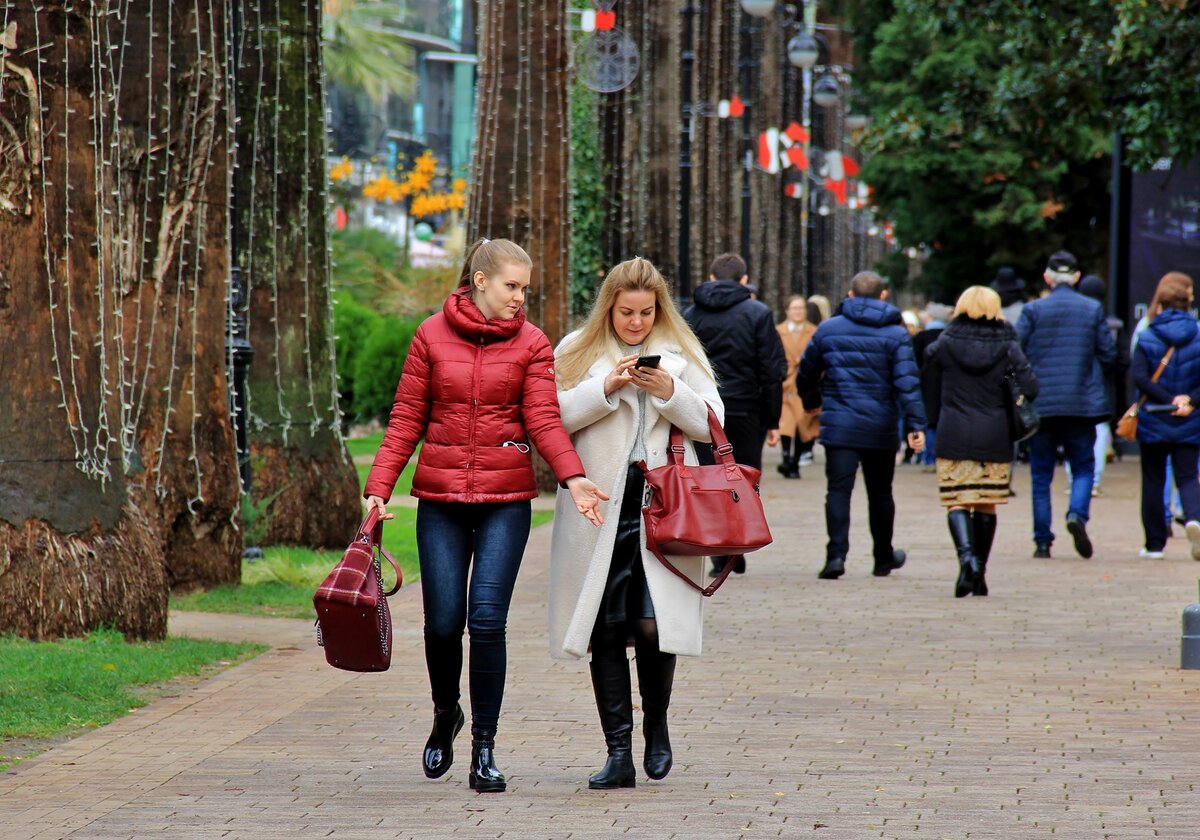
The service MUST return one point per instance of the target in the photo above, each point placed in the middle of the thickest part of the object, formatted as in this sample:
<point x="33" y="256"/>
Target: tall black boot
<point x="959" y="521"/>
<point x="656" y="677"/>
<point x="985" y="532"/>
<point x="439" y="749"/>
<point x="484" y="777"/>
<point x="614" y="701"/>
<point x="785" y="448"/>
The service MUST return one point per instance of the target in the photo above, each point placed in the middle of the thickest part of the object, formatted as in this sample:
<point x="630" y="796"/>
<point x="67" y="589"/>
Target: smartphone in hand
<point x="647" y="361"/>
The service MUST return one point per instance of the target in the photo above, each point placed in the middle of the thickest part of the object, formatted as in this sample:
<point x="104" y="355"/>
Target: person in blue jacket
<point x="859" y="373"/>
<point x="1067" y="341"/>
<point x="1171" y="428"/>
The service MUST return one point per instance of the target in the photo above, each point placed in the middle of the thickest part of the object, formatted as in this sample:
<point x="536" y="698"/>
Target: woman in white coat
<point x="605" y="587"/>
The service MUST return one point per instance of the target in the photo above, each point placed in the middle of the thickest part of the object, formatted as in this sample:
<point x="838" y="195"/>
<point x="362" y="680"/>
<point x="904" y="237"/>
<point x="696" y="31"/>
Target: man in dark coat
<point x="859" y="372"/>
<point x="739" y="336"/>
<point x="1068" y="343"/>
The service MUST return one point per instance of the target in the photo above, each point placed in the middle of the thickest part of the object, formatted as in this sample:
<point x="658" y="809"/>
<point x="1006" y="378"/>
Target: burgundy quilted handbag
<point x="354" y="624"/>
<point x="703" y="510"/>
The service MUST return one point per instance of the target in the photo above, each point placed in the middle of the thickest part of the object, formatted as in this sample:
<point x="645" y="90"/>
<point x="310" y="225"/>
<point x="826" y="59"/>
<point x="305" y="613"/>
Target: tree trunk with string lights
<point x="117" y="453"/>
<point x="305" y="488"/>
<point x="520" y="187"/>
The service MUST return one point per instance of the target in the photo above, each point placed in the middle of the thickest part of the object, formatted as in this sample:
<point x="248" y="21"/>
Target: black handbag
<point x="1023" y="420"/>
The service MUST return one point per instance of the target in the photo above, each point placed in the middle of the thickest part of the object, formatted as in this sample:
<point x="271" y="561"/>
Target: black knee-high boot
<point x="985" y="532"/>
<point x="656" y="678"/>
<point x="960" y="524"/>
<point x="614" y="701"/>
<point x="785" y="449"/>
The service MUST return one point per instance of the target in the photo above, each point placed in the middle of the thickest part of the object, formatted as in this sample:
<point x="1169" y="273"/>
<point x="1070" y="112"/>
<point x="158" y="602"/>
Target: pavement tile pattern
<point x="841" y="710"/>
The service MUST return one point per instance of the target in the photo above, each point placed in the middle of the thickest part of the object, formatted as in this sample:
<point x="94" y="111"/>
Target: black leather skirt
<point x="626" y="596"/>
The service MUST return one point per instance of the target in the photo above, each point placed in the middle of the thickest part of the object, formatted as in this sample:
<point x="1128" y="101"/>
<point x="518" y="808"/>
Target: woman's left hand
<point x="1183" y="406"/>
<point x="654" y="381"/>
<point x="587" y="497"/>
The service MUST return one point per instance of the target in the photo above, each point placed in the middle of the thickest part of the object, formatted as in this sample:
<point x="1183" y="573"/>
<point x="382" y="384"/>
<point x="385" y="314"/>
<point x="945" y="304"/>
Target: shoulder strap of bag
<point x="722" y="449"/>
<point x="372" y="528"/>
<point x="706" y="591"/>
<point x="1162" y="365"/>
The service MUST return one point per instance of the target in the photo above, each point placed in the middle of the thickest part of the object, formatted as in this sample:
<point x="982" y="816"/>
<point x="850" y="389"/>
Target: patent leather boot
<point x="985" y="532"/>
<point x="959" y="521"/>
<point x="484" y="777"/>
<point x="656" y="678"/>
<point x="439" y="749"/>
<point x="610" y="680"/>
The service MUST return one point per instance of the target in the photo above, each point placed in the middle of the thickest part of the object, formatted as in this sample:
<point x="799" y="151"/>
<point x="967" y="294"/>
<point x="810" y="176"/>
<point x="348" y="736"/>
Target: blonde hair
<point x="596" y="337"/>
<point x="822" y="304"/>
<point x="491" y="256"/>
<point x="979" y="302"/>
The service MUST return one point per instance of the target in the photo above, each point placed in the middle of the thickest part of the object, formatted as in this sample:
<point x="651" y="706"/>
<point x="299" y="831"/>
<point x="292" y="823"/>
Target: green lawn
<point x="283" y="582"/>
<point x="52" y="689"/>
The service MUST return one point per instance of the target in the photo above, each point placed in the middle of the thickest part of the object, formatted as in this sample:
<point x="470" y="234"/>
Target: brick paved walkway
<point x="852" y="709"/>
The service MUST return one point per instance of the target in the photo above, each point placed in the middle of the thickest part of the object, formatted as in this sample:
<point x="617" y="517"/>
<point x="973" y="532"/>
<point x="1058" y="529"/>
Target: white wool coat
<point x="604" y="430"/>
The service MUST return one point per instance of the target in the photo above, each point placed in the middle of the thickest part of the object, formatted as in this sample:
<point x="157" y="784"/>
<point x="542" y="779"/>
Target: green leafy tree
<point x="993" y="121"/>
<point x="361" y="53"/>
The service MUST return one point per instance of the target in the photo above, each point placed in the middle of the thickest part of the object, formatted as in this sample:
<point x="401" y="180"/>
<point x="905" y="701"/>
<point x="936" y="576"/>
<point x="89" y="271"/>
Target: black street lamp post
<point x="237" y="341"/>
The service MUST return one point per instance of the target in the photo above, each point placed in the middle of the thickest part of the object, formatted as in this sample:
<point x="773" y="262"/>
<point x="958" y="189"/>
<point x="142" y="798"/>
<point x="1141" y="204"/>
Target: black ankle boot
<point x="985" y="532"/>
<point x="959" y="521"/>
<point x="484" y="777"/>
<point x="656" y="678"/>
<point x="439" y="749"/>
<point x="614" y="701"/>
<point x="785" y="444"/>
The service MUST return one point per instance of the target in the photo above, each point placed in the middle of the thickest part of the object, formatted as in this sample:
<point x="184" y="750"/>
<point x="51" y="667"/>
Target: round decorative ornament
<point x="607" y="60"/>
<point x="423" y="231"/>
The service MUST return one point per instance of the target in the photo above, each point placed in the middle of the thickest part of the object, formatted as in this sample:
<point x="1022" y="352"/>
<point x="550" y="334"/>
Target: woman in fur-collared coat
<point x="605" y="587"/>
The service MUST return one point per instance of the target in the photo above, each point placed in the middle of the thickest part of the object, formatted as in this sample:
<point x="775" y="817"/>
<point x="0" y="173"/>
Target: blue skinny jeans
<point x="470" y="555"/>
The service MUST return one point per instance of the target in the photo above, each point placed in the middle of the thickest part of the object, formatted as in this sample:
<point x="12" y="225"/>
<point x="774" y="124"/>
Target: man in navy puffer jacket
<point x="859" y="372"/>
<point x="1069" y="346"/>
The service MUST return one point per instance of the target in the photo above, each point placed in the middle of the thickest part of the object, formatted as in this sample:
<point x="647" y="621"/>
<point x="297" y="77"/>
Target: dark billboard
<point x="1164" y="229"/>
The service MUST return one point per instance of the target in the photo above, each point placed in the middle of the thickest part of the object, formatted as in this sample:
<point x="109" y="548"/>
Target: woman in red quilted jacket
<point x="478" y="386"/>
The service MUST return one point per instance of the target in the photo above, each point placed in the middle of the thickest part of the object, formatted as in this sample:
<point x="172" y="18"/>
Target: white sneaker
<point x="1151" y="555"/>
<point x="1193" y="535"/>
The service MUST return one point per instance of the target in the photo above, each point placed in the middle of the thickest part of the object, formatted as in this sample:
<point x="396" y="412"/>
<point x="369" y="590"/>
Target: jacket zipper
<point x="474" y="418"/>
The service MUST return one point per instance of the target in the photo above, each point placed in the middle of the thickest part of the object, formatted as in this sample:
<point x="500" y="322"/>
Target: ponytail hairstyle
<point x="490" y="256"/>
<point x="596" y="337"/>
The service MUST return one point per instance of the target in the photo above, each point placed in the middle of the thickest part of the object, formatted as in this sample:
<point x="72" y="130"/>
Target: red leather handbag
<point x="703" y="510"/>
<point x="354" y="624"/>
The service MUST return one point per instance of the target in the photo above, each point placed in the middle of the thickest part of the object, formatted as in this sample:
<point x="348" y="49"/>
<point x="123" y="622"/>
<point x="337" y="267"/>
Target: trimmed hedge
<point x="371" y="349"/>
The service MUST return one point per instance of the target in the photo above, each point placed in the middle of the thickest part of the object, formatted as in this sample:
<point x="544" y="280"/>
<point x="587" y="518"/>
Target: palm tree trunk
<point x="117" y="455"/>
<point x="520" y="184"/>
<point x="302" y="474"/>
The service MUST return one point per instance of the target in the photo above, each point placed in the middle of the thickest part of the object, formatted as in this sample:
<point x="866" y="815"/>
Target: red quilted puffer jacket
<point x="474" y="388"/>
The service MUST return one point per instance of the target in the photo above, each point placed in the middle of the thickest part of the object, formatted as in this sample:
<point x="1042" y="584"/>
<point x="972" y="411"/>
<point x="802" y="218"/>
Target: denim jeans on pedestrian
<point x="1077" y="438"/>
<point x="841" y="467"/>
<point x="470" y="555"/>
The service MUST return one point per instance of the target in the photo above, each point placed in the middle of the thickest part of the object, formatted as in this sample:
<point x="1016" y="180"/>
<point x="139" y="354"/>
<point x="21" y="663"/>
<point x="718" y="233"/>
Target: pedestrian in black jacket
<point x="746" y="354"/>
<point x="966" y="397"/>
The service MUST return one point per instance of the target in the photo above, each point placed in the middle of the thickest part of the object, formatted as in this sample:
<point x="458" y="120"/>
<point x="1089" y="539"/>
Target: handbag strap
<point x="1162" y="365"/>
<point x="721" y="448"/>
<point x="371" y="531"/>
<point x="706" y="591"/>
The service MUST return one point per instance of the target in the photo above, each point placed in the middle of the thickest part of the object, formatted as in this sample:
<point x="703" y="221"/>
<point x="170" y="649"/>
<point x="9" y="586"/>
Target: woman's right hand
<point x="620" y="376"/>
<point x="377" y="503"/>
